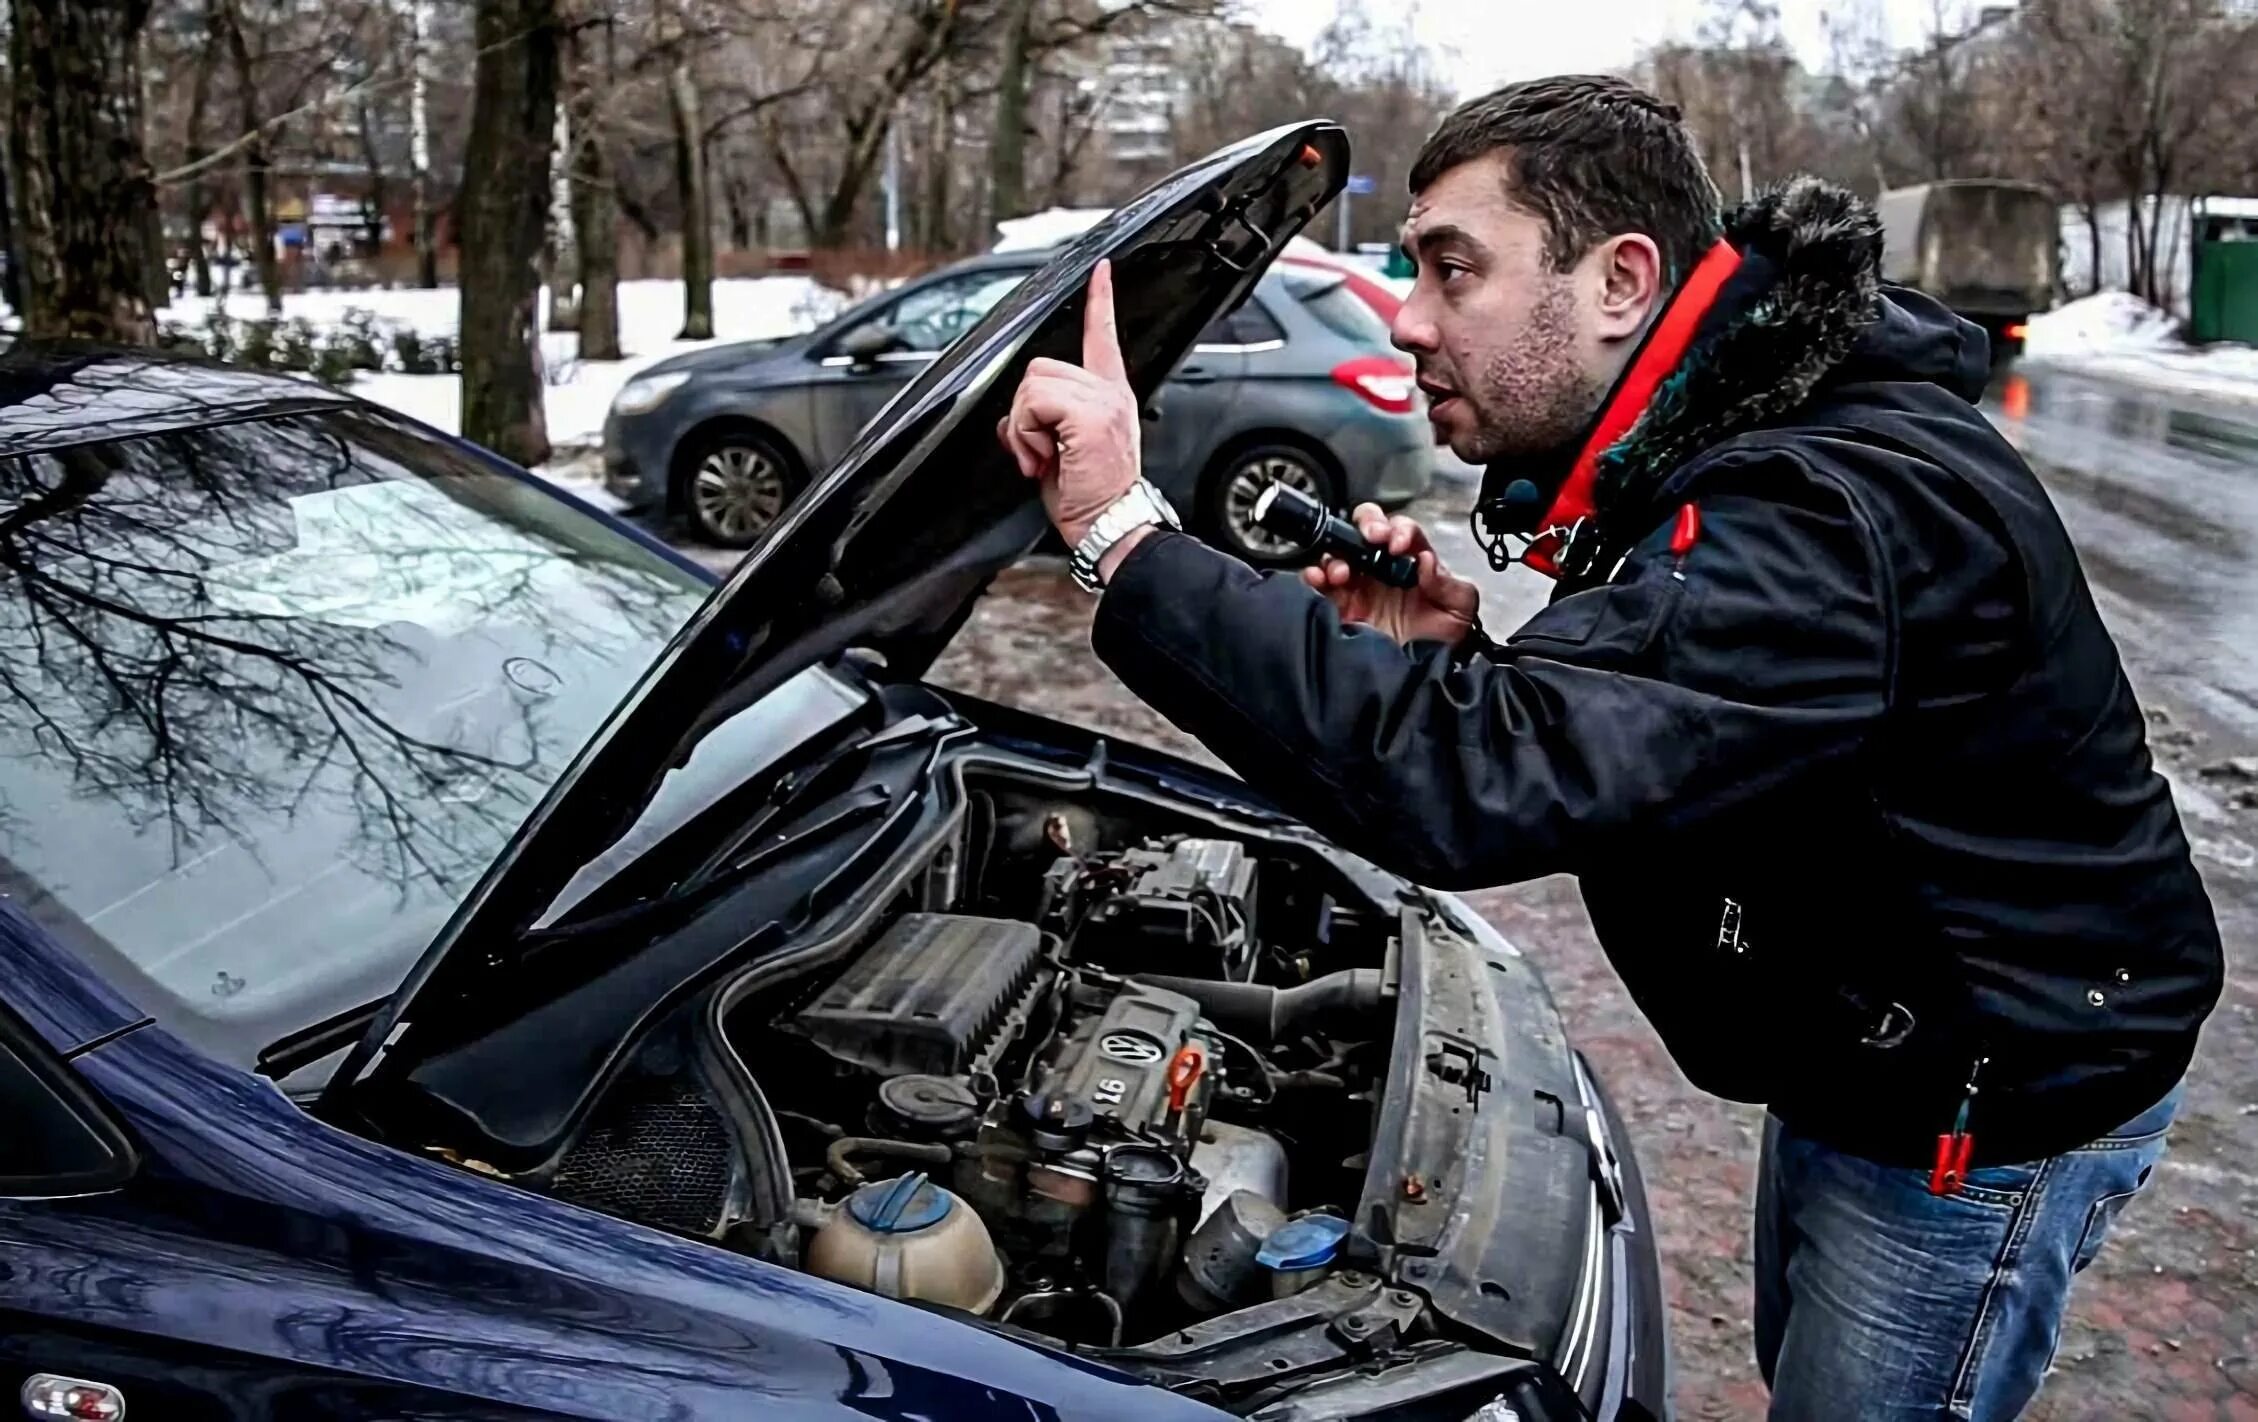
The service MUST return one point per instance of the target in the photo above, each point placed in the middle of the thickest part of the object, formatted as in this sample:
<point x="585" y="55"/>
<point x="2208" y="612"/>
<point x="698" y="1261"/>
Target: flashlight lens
<point x="1289" y="513"/>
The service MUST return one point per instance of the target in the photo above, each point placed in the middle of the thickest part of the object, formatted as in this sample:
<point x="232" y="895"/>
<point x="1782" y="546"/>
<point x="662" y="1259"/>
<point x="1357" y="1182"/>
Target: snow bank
<point x="2112" y="321"/>
<point x="2117" y="336"/>
<point x="579" y="392"/>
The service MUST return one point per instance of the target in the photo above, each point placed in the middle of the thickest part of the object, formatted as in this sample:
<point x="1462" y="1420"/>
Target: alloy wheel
<point x="739" y="491"/>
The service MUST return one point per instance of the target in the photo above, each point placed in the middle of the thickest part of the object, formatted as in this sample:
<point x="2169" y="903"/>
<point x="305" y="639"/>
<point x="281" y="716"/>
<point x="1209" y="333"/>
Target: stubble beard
<point x="1534" y="398"/>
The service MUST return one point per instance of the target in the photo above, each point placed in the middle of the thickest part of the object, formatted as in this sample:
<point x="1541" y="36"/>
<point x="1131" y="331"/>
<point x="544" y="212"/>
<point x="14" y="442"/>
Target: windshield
<point x="929" y="319"/>
<point x="277" y="692"/>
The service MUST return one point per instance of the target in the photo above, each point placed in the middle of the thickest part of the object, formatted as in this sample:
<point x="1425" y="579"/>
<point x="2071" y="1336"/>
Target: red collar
<point x="1656" y="360"/>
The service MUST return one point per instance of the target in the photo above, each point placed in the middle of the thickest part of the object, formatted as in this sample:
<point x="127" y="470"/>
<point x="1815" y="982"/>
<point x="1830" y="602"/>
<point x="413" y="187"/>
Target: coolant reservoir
<point x="910" y="1239"/>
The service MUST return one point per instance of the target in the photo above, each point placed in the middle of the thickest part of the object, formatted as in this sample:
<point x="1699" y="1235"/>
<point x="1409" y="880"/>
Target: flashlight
<point x="1298" y="518"/>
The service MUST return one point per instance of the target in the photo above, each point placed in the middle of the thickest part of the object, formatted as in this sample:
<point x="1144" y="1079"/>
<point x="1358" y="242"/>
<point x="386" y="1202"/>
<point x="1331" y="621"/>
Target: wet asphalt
<point x="2161" y="496"/>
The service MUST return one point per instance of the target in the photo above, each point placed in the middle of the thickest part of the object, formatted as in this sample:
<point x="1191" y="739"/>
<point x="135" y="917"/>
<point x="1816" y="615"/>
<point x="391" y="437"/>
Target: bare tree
<point x="856" y="65"/>
<point x="697" y="201"/>
<point x="81" y="183"/>
<point x="252" y="150"/>
<point x="419" y="142"/>
<point x="590" y="65"/>
<point x="504" y="206"/>
<point x="2134" y="100"/>
<point x="1007" y="181"/>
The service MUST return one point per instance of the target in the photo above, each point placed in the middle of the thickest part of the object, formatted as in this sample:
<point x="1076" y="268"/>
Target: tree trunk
<point x="560" y="256"/>
<point x="419" y="145"/>
<point x="2092" y="210"/>
<point x="254" y="161"/>
<point x="82" y="185"/>
<point x="503" y="209"/>
<point x="937" y="236"/>
<point x="866" y="140"/>
<point x="372" y="205"/>
<point x="1007" y="160"/>
<point x="2159" y="272"/>
<point x="198" y="196"/>
<point x="697" y="213"/>
<point x="12" y="279"/>
<point x="595" y="222"/>
<point x="156" y="267"/>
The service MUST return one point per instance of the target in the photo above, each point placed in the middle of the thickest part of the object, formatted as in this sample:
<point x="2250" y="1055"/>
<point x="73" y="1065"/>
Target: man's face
<point x="1512" y="354"/>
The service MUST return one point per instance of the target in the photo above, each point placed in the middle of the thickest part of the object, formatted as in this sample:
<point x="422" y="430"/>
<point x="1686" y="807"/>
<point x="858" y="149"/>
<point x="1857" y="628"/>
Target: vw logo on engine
<point x="1129" y="1047"/>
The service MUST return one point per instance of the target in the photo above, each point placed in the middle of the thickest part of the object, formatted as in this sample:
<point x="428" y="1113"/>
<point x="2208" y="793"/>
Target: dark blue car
<point x="456" y="962"/>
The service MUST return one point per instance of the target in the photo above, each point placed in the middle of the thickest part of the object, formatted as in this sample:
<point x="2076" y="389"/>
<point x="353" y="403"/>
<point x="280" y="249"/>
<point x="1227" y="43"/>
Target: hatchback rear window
<point x="1343" y="312"/>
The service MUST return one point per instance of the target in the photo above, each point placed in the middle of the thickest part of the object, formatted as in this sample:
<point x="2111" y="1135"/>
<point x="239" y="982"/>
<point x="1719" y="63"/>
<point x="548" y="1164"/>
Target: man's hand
<point x="1440" y="609"/>
<point x="1076" y="427"/>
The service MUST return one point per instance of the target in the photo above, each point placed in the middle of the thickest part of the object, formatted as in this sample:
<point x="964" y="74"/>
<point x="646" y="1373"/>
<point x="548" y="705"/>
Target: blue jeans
<point x="1876" y="1299"/>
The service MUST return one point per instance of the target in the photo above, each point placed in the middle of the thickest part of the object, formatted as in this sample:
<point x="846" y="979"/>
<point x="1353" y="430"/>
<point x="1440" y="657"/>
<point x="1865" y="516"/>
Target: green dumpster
<point x="2225" y="302"/>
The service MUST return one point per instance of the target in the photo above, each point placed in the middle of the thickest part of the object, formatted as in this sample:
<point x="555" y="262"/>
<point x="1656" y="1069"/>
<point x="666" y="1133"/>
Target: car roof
<point x="55" y="394"/>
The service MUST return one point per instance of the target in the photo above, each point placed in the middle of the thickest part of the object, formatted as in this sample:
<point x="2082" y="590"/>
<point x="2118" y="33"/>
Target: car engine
<point x="1082" y="1119"/>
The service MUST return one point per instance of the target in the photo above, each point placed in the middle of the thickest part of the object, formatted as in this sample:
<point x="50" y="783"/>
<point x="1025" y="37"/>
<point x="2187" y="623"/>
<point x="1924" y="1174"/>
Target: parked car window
<point x="927" y="320"/>
<point x="1250" y="325"/>
<point x="1330" y="301"/>
<point x="273" y="695"/>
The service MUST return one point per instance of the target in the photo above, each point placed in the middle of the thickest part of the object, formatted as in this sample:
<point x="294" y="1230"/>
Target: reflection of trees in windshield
<point x="222" y="631"/>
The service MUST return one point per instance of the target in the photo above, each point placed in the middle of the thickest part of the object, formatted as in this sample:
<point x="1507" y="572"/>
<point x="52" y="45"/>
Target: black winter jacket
<point x="1856" y="788"/>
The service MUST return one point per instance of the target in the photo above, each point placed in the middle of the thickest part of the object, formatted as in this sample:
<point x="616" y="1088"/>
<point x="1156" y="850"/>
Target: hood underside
<point x="888" y="550"/>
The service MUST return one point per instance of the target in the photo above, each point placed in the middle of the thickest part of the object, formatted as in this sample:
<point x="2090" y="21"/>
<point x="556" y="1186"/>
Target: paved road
<point x="2162" y="497"/>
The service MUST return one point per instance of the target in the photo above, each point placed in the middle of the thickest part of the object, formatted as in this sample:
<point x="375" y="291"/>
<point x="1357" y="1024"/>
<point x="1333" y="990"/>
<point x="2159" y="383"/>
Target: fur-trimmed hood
<point x="1806" y="305"/>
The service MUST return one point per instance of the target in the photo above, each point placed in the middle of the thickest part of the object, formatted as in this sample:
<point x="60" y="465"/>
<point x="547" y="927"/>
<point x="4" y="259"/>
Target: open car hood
<point x="888" y="551"/>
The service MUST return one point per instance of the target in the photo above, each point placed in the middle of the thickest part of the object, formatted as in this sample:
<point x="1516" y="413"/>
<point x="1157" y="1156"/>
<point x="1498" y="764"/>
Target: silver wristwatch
<point x="1142" y="504"/>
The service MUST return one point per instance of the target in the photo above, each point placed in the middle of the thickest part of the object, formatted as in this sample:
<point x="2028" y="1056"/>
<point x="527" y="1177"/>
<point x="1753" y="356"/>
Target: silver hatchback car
<point x="1298" y="386"/>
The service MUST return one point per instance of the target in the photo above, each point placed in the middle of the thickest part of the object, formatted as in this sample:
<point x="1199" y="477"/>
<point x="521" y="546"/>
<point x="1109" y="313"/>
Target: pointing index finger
<point x="1101" y="339"/>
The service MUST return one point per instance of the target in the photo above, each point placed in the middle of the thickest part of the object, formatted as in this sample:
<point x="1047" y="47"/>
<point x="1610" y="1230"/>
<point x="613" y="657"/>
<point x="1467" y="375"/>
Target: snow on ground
<point x="579" y="392"/>
<point x="2120" y="337"/>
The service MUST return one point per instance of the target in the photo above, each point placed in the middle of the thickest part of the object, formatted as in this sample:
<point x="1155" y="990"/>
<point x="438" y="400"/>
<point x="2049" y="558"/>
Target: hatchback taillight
<point x="1384" y="384"/>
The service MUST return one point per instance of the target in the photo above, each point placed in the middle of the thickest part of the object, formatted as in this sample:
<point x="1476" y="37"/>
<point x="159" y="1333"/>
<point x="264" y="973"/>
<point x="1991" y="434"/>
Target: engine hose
<point x="1267" y="1013"/>
<point x="836" y="1158"/>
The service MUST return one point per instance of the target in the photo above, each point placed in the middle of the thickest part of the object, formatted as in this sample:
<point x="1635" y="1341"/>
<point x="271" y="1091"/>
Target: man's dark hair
<point x="1593" y="157"/>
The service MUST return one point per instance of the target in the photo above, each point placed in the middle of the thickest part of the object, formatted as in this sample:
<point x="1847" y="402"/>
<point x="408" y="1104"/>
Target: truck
<point x="1989" y="249"/>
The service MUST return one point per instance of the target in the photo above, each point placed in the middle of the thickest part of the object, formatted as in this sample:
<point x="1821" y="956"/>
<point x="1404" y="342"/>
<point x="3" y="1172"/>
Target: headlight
<point x="648" y="392"/>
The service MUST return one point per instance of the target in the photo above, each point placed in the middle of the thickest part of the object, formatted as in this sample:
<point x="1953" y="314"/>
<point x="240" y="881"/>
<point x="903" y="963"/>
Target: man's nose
<point x="1412" y="332"/>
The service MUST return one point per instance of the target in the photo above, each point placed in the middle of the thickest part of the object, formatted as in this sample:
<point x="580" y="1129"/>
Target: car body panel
<point x="62" y="1003"/>
<point x="263" y="1265"/>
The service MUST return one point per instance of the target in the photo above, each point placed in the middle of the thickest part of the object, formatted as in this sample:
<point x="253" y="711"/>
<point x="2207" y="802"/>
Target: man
<point x="1821" y="714"/>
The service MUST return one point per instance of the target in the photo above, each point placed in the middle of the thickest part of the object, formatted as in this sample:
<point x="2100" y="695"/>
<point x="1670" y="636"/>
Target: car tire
<point x="733" y="482"/>
<point x="1227" y="495"/>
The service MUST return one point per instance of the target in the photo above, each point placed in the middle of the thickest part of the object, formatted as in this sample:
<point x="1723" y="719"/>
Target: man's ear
<point x="1628" y="269"/>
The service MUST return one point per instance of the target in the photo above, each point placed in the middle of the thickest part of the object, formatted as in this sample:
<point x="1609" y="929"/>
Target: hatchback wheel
<point x="1231" y="494"/>
<point x="736" y="484"/>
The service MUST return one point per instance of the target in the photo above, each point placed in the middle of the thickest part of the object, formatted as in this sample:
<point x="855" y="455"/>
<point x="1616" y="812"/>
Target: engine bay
<point x="1114" y="1087"/>
<point x="1096" y="1077"/>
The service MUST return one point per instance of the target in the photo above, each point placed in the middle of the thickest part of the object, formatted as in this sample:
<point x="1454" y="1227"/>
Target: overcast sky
<point x="1483" y="43"/>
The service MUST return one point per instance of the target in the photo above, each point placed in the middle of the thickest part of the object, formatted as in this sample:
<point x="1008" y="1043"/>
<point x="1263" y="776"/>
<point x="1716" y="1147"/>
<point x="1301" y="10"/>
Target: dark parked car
<point x="458" y="962"/>
<point x="1299" y="386"/>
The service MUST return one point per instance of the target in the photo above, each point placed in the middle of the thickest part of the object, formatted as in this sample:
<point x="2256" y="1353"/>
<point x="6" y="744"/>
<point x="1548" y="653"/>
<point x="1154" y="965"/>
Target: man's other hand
<point x="1076" y="427"/>
<point x="1440" y="609"/>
